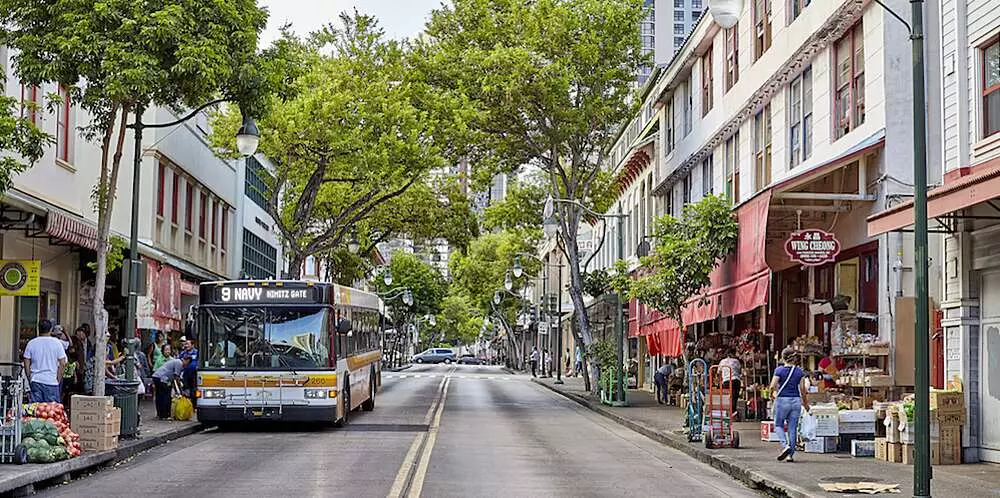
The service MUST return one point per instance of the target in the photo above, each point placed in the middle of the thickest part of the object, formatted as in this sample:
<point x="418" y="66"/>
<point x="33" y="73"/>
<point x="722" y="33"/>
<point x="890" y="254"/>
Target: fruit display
<point x="46" y="434"/>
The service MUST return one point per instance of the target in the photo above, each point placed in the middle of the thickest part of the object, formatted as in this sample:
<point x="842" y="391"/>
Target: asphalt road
<point x="437" y="431"/>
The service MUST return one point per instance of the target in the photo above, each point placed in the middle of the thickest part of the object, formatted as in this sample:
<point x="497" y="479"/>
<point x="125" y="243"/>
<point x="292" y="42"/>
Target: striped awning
<point x="76" y="231"/>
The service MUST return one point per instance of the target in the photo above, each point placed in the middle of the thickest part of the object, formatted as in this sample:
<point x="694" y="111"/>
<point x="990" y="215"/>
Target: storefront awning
<point x="965" y="192"/>
<point x="69" y="229"/>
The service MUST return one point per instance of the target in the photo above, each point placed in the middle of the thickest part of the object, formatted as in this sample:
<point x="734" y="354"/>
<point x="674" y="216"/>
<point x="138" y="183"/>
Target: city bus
<point x="287" y="351"/>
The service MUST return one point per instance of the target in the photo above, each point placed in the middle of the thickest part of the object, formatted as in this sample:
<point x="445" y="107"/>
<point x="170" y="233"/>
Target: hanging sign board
<point x="20" y="277"/>
<point x="812" y="247"/>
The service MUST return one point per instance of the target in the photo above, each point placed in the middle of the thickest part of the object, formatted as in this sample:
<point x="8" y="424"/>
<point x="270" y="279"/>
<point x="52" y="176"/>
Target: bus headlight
<point x="315" y="393"/>
<point x="213" y="393"/>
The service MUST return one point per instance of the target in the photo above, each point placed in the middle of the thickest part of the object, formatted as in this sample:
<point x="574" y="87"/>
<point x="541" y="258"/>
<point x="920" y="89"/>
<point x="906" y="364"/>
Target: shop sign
<point x="812" y="247"/>
<point x="20" y="277"/>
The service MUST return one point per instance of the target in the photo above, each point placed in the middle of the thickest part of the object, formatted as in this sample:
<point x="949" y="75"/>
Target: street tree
<point x="355" y="129"/>
<point x="551" y="81"/>
<point x="684" y="252"/>
<point x="119" y="57"/>
<point x="459" y="320"/>
<point x="426" y="285"/>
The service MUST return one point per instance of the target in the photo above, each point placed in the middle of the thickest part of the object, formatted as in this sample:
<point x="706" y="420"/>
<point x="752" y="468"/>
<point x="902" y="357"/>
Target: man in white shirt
<point x="44" y="360"/>
<point x="730" y="369"/>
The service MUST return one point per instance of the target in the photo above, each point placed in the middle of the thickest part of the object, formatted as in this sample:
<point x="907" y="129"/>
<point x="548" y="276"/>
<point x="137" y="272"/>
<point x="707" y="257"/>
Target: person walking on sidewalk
<point x="44" y="360"/>
<point x="547" y="367"/>
<point x="578" y="366"/>
<point x="660" y="379"/>
<point x="533" y="359"/>
<point x="163" y="378"/>
<point x="788" y="390"/>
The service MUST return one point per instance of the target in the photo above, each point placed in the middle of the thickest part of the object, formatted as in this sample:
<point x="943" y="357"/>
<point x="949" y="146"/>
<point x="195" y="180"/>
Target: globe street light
<point x="497" y="298"/>
<point x="387" y="277"/>
<point x="726" y="12"/>
<point x="353" y="245"/>
<point x="408" y="297"/>
<point x="508" y="283"/>
<point x="518" y="269"/>
<point x="248" y="136"/>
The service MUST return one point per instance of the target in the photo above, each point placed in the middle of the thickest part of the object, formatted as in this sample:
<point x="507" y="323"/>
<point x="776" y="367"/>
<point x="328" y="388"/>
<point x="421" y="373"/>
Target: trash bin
<point x="126" y="395"/>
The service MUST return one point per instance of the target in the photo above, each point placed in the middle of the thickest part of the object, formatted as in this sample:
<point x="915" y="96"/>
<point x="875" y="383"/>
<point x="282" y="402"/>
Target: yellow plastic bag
<point x="181" y="408"/>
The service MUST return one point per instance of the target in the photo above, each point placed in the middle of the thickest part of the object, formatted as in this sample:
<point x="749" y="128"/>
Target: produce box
<point x="945" y="454"/>
<point x="827" y="421"/>
<point x="895" y="452"/>
<point x="878" y="381"/>
<point x="857" y="427"/>
<point x="907" y="436"/>
<point x="948" y="418"/>
<point x="91" y="404"/>
<point x="881" y="447"/>
<point x="767" y="432"/>
<point x="844" y="441"/>
<point x="909" y="453"/>
<point x="862" y="449"/>
<point x="946" y="433"/>
<point x="822" y="445"/>
<point x="99" y="444"/>
<point x="857" y="416"/>
<point x="947" y="401"/>
<point x="96" y="431"/>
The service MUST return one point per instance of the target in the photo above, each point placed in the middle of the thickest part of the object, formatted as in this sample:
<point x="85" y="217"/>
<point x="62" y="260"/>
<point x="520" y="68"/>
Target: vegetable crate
<point x="11" y="394"/>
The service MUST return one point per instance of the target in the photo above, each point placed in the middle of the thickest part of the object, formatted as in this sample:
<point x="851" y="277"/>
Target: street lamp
<point x="387" y="277"/>
<point x="726" y="12"/>
<point x="518" y="270"/>
<point x="408" y="297"/>
<point x="352" y="245"/>
<point x="247" y="137"/>
<point x="508" y="283"/>
<point x="548" y="209"/>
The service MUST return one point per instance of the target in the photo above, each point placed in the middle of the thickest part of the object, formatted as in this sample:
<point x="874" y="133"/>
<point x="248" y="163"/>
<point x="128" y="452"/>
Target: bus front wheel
<point x="369" y="404"/>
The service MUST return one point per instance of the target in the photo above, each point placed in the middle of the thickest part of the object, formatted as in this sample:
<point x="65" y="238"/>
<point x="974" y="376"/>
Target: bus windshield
<point x="265" y="338"/>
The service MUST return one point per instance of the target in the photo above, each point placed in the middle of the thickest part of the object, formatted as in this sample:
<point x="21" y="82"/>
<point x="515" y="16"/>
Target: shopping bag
<point x="181" y="408"/>
<point x="807" y="426"/>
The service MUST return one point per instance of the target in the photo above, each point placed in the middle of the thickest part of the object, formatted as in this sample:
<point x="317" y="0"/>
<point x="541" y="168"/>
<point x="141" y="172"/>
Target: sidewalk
<point x="20" y="480"/>
<point x="754" y="462"/>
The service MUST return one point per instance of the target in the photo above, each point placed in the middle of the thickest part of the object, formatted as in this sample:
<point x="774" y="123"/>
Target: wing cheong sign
<point x="812" y="247"/>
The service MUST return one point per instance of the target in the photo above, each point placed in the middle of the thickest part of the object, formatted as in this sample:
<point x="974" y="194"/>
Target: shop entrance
<point x="989" y="351"/>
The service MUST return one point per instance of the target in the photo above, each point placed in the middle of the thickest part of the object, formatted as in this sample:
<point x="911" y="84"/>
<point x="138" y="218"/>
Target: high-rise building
<point x="664" y="29"/>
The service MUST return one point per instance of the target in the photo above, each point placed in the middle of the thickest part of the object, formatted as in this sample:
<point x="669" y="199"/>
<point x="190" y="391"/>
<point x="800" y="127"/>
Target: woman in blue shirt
<point x="788" y="390"/>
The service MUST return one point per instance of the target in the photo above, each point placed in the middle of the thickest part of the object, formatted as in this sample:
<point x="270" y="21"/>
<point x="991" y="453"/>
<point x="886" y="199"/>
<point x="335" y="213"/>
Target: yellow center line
<point x="425" y="459"/>
<point x="399" y="484"/>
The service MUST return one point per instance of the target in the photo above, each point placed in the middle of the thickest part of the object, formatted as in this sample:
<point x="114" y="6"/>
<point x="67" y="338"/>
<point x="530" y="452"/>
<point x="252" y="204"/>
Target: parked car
<point x="434" y="355"/>
<point x="468" y="359"/>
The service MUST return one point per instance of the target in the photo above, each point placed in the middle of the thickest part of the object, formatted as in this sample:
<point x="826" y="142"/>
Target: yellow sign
<point x="20" y="277"/>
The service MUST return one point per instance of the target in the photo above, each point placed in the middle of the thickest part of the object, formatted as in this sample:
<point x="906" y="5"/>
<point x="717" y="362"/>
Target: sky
<point x="399" y="18"/>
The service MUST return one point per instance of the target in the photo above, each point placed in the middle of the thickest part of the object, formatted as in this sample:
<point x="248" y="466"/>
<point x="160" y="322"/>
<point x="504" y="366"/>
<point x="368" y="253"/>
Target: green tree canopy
<point x="684" y="253"/>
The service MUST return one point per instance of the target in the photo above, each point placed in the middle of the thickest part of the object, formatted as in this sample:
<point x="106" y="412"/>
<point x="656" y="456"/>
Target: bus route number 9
<point x="226" y="294"/>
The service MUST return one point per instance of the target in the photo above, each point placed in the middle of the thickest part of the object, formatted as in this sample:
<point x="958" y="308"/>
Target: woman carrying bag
<point x="790" y="395"/>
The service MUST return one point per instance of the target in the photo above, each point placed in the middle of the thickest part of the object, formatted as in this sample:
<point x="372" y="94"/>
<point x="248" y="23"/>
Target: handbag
<point x="778" y="392"/>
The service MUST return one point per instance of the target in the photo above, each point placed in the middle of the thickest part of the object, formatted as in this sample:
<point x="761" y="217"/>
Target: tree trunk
<point x="100" y="314"/>
<point x="295" y="266"/>
<point x="576" y="295"/>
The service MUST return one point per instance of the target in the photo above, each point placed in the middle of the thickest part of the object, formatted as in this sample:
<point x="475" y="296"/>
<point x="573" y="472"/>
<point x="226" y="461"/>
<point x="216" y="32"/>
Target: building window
<point x="669" y="117"/>
<point x="678" y="41"/>
<point x="669" y="201"/>
<point x="203" y="216"/>
<point x="224" y="234"/>
<point x="30" y="102"/>
<point x="762" y="148"/>
<point x="678" y="4"/>
<point x="161" y="185"/>
<point x="761" y="27"/>
<point x="707" y="82"/>
<point x="797" y="7"/>
<point x="732" y="56"/>
<point x="686" y="189"/>
<point x="175" y="197"/>
<point x="991" y="87"/>
<point x="695" y="14"/>
<point x="678" y="29"/>
<point x="260" y="259"/>
<point x="679" y="16"/>
<point x="707" y="176"/>
<point x="310" y="266"/>
<point x="696" y="4"/>
<point x="215" y="221"/>
<point x="256" y="184"/>
<point x="688" y="104"/>
<point x="189" y="205"/>
<point x="849" y="106"/>
<point x="733" y="168"/>
<point x="62" y="125"/>
<point x="800" y="118"/>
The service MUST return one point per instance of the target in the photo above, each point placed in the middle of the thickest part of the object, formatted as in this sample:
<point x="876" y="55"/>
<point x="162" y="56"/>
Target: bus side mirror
<point x="344" y="326"/>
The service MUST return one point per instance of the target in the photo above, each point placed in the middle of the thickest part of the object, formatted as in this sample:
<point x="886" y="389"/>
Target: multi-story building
<point x="190" y="220"/>
<point x="963" y="210"/>
<point x="800" y="115"/>
<point x="664" y="29"/>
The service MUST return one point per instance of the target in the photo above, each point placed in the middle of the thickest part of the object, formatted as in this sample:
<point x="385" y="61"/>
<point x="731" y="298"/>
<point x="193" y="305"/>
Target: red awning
<point x="965" y="192"/>
<point x="75" y="231"/>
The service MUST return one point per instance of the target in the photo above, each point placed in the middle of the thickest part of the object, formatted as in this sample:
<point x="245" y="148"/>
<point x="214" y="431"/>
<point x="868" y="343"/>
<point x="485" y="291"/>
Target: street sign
<point x="812" y="247"/>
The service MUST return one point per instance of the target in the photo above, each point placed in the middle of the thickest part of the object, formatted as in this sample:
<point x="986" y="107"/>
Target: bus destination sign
<point x="265" y="295"/>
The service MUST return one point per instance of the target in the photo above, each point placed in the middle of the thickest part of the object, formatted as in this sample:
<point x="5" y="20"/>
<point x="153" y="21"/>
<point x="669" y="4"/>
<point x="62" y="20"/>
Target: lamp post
<point x="726" y="13"/>
<point x="518" y="271"/>
<point x="402" y="293"/>
<point x="619" y="394"/>
<point x="247" y="139"/>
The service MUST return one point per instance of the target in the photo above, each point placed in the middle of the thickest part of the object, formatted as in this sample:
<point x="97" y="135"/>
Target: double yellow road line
<point x="409" y="480"/>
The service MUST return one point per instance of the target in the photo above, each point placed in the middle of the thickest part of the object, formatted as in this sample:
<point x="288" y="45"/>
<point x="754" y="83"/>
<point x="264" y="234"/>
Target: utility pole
<point x="620" y="318"/>
<point x="559" y="330"/>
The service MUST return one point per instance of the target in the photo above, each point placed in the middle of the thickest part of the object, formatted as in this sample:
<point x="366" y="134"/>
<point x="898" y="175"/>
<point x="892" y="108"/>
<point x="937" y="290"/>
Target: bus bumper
<point x="215" y="414"/>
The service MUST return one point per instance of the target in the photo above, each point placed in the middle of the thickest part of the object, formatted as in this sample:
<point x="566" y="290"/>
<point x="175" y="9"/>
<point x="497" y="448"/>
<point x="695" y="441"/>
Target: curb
<point x="738" y="470"/>
<point x="23" y="484"/>
<point x="399" y="369"/>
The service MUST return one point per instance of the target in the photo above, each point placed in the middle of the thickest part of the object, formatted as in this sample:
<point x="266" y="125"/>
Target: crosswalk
<point x="444" y="374"/>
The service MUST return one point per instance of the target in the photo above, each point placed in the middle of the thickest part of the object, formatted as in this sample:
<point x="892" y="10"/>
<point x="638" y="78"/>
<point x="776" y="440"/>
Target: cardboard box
<point x="857" y="416"/>
<point x="947" y="401"/>
<point x="844" y="441"/>
<point x="827" y="421"/>
<point x="948" y="418"/>
<point x="907" y="436"/>
<point x="822" y="445"/>
<point x="881" y="448"/>
<point x="863" y="449"/>
<point x="99" y="444"/>
<point x="909" y="453"/>
<point x="947" y="433"/>
<point x="857" y="427"/>
<point x="91" y="404"/>
<point x="767" y="431"/>
<point x="894" y="452"/>
<point x="946" y="455"/>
